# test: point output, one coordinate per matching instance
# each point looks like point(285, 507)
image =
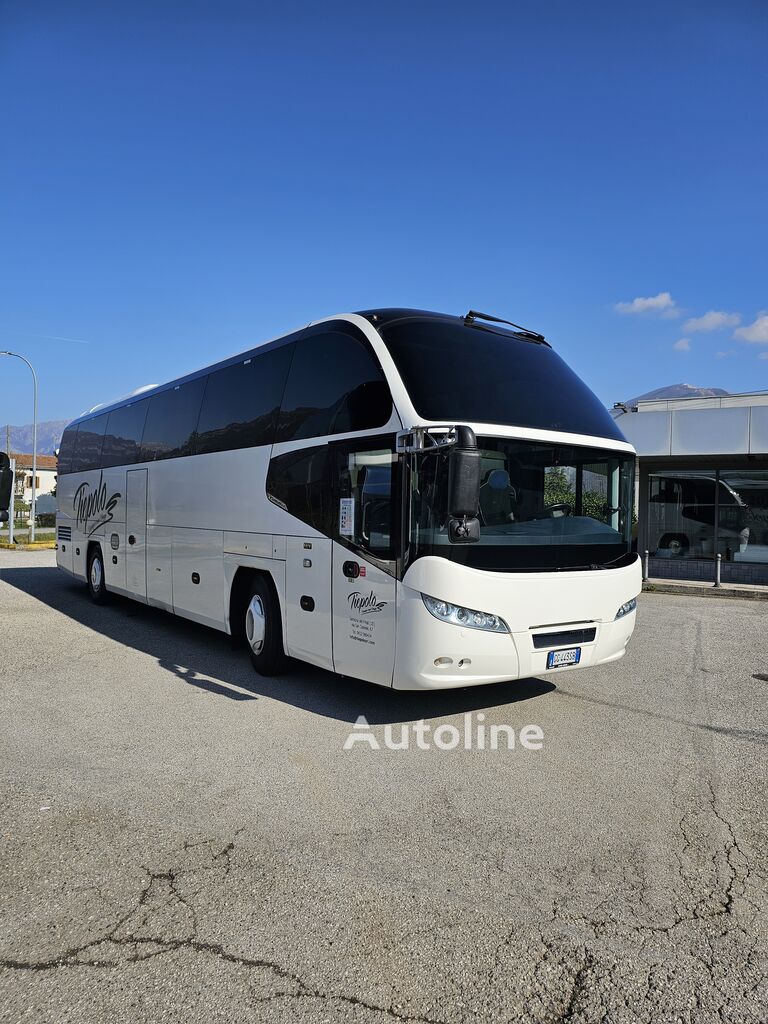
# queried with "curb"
point(43, 545)
point(662, 587)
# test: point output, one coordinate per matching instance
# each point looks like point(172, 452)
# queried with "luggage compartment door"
point(308, 599)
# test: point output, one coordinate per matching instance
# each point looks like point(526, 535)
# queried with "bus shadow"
point(205, 658)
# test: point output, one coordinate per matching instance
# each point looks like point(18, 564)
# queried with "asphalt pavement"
point(183, 840)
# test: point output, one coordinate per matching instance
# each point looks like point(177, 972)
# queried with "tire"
point(676, 543)
point(263, 628)
point(97, 586)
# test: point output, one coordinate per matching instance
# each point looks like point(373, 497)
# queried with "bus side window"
point(66, 451)
point(665, 491)
point(242, 401)
point(169, 431)
point(122, 440)
point(299, 482)
point(90, 438)
point(335, 386)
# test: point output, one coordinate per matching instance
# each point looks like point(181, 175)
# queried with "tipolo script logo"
point(93, 508)
point(365, 604)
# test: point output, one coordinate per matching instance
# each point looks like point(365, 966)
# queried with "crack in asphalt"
point(588, 975)
point(146, 947)
point(136, 936)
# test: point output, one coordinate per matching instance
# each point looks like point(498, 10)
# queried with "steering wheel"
point(557, 510)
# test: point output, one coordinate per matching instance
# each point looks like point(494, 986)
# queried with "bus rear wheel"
point(97, 587)
point(263, 629)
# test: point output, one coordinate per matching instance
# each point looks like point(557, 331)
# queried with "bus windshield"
point(542, 507)
point(459, 373)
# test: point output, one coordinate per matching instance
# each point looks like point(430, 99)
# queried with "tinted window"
point(90, 437)
point(364, 517)
point(122, 440)
point(171, 421)
point(457, 373)
point(299, 482)
point(241, 402)
point(67, 450)
point(335, 385)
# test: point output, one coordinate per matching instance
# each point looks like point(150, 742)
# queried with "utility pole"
point(34, 439)
point(13, 500)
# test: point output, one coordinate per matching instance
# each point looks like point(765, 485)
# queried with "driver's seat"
point(497, 498)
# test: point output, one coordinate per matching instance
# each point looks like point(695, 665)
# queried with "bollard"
point(718, 560)
point(645, 565)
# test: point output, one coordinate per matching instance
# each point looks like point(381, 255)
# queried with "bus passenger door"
point(364, 562)
point(136, 533)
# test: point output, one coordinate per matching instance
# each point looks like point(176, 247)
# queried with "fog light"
point(442, 662)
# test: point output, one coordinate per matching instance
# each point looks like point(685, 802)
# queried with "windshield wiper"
point(593, 565)
point(473, 315)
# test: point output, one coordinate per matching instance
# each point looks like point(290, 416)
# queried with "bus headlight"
point(626, 608)
point(467, 617)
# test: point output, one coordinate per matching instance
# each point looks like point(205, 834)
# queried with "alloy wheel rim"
point(255, 624)
point(96, 574)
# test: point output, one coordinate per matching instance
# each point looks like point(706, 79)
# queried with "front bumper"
point(434, 655)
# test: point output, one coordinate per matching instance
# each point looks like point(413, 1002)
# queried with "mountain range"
point(48, 437)
point(677, 391)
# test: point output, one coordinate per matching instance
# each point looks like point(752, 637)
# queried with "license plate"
point(558, 659)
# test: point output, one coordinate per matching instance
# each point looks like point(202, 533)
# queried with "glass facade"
point(704, 512)
point(743, 521)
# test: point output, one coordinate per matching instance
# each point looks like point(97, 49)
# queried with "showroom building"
point(702, 485)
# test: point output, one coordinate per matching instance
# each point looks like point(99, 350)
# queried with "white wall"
point(46, 479)
point(695, 428)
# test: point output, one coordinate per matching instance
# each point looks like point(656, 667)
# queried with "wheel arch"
point(238, 595)
point(93, 543)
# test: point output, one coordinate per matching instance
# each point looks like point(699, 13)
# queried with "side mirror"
point(464, 489)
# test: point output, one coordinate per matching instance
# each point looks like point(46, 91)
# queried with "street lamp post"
point(34, 439)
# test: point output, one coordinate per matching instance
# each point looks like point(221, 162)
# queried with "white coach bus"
point(410, 498)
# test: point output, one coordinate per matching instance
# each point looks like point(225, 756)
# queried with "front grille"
point(566, 638)
point(64, 533)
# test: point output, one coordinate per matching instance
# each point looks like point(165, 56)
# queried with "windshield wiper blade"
point(473, 315)
point(592, 566)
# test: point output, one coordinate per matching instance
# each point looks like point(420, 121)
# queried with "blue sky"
point(180, 180)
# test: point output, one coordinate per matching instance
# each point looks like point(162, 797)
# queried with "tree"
point(558, 490)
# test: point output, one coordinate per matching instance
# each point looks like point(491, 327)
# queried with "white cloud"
point(714, 320)
point(725, 355)
point(756, 332)
point(683, 345)
point(662, 303)
point(763, 355)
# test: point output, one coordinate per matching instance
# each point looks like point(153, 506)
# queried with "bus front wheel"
point(263, 629)
point(97, 587)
